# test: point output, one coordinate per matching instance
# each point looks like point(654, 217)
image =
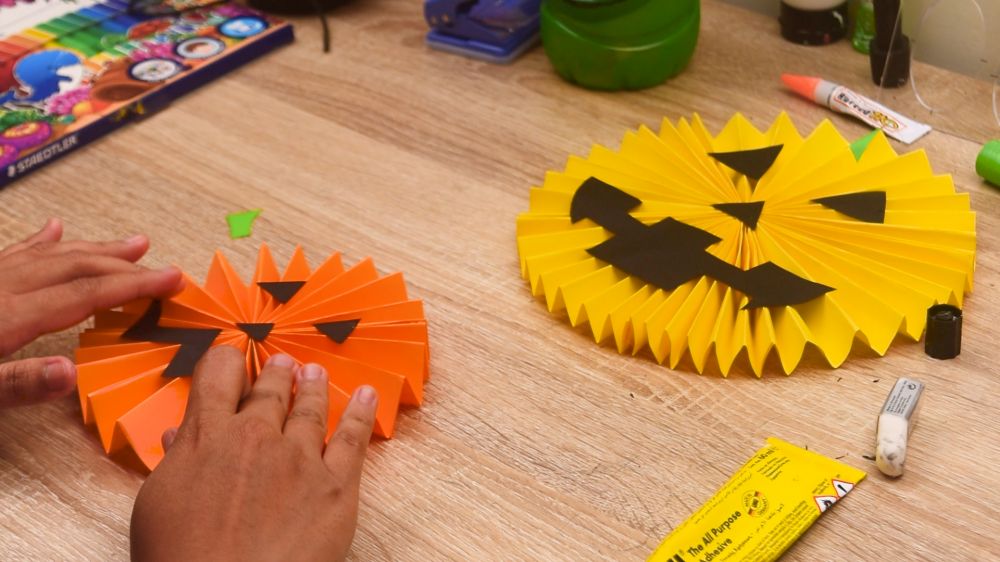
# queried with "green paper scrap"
point(858, 147)
point(241, 224)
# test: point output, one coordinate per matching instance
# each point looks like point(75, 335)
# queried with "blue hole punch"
point(491, 30)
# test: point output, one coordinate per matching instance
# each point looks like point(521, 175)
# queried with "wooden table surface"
point(533, 443)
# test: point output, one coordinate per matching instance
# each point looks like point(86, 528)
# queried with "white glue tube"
point(899, 415)
point(843, 100)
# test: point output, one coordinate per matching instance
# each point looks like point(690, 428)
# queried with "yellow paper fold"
point(884, 275)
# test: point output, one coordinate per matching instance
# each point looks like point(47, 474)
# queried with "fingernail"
point(173, 270)
point(136, 239)
point(312, 372)
point(281, 360)
point(167, 439)
point(366, 395)
point(58, 374)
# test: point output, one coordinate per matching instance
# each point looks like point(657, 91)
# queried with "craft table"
point(533, 443)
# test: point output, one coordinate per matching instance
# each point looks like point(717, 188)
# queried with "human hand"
point(245, 479)
point(48, 285)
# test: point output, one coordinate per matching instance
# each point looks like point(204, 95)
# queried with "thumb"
point(30, 381)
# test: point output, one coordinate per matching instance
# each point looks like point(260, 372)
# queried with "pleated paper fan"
point(747, 242)
point(134, 366)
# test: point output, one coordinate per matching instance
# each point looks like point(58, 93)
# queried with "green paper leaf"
point(241, 224)
point(858, 147)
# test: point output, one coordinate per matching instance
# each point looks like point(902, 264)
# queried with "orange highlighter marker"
point(843, 100)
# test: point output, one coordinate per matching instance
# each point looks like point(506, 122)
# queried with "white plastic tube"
point(895, 423)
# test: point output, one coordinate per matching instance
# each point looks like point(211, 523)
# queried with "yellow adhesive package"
point(762, 509)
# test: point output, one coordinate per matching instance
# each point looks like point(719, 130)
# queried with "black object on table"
point(319, 7)
point(889, 49)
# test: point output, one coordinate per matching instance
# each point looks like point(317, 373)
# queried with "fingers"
point(30, 381)
point(306, 423)
point(67, 304)
point(219, 380)
point(55, 270)
point(51, 232)
point(130, 249)
point(345, 453)
point(46, 243)
point(271, 394)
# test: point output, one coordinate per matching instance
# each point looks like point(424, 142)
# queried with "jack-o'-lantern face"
point(194, 342)
point(135, 365)
point(669, 253)
point(747, 242)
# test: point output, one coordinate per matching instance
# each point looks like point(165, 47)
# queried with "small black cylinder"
point(813, 27)
point(944, 331)
point(886, 16)
point(889, 49)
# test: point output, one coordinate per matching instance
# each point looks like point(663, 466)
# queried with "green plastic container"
point(988, 162)
point(619, 44)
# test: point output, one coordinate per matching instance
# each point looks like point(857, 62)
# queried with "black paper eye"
point(282, 291)
point(866, 206)
point(337, 331)
point(752, 163)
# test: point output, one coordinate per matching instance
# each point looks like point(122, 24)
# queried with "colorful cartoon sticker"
point(242, 27)
point(42, 74)
point(155, 70)
point(26, 135)
point(199, 48)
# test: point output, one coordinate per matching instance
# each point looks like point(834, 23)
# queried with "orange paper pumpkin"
point(134, 366)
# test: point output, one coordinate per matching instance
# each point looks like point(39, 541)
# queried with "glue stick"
point(895, 422)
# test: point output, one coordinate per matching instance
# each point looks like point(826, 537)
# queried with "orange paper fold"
point(124, 393)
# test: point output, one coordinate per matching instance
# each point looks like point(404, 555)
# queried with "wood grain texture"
point(533, 442)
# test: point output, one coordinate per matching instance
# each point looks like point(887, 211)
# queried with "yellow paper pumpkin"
point(747, 242)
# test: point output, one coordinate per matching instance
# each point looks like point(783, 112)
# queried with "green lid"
point(988, 162)
point(619, 44)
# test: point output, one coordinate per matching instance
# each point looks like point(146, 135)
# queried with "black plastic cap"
point(944, 331)
point(898, 70)
point(813, 27)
